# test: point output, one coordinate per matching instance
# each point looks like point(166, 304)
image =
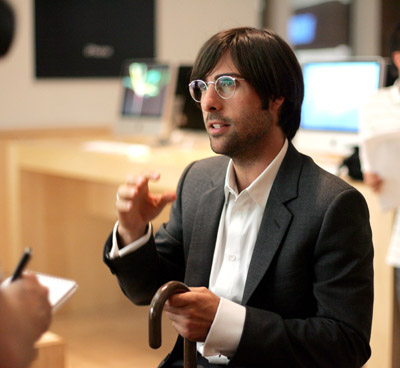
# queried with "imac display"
point(334, 93)
point(147, 96)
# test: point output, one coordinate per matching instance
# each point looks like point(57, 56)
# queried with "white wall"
point(25, 102)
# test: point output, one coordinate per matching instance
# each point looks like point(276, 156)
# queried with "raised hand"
point(137, 206)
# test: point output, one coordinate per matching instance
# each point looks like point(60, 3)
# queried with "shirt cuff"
point(226, 330)
point(116, 252)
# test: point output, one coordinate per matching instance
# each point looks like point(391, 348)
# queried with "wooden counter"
point(60, 201)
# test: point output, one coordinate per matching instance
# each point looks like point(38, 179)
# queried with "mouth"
point(217, 128)
point(217, 124)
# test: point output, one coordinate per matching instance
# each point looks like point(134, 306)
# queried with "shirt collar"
point(259, 189)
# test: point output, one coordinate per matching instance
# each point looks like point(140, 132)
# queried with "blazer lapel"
point(275, 222)
point(273, 226)
point(204, 236)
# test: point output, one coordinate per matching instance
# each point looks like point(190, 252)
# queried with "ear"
point(275, 105)
point(396, 59)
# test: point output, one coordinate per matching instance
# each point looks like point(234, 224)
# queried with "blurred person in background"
point(380, 113)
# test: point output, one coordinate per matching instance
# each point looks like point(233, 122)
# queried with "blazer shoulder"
point(211, 169)
point(313, 170)
point(210, 164)
point(315, 183)
point(300, 177)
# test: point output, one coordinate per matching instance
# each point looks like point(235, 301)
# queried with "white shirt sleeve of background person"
point(225, 332)
point(116, 252)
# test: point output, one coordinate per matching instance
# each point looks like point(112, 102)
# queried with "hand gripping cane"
point(156, 307)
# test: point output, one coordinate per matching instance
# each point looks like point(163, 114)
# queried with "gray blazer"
point(309, 289)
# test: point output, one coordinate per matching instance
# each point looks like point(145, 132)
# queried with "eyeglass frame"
point(234, 79)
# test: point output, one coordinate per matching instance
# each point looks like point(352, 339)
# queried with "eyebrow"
point(234, 75)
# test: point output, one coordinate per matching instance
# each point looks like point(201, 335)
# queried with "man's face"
point(238, 127)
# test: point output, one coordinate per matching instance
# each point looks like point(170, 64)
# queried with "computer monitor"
point(334, 93)
point(147, 99)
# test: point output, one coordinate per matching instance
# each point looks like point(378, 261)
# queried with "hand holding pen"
point(26, 256)
point(26, 311)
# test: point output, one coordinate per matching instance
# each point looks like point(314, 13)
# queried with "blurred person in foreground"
point(25, 311)
point(25, 314)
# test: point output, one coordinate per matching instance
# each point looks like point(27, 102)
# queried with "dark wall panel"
point(91, 38)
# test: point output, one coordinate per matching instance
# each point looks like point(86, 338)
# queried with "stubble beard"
point(244, 145)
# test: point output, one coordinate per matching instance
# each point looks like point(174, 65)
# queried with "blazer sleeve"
point(161, 259)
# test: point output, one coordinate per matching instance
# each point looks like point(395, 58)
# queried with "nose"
point(210, 101)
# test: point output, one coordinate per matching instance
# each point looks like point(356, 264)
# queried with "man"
point(25, 311)
point(381, 116)
point(277, 252)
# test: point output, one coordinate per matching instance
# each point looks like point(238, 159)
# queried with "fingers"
point(137, 189)
point(132, 187)
point(197, 298)
point(133, 180)
point(32, 284)
point(30, 276)
point(374, 181)
point(141, 180)
point(176, 302)
point(124, 197)
point(164, 199)
point(33, 278)
point(192, 313)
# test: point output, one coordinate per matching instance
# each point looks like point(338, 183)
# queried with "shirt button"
point(232, 257)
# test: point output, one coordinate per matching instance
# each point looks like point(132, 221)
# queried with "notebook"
point(60, 289)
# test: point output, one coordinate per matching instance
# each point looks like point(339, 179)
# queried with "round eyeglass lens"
point(196, 88)
point(225, 86)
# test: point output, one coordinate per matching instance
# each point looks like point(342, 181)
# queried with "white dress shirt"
point(237, 233)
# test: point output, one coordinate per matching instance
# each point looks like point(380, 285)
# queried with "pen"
point(26, 256)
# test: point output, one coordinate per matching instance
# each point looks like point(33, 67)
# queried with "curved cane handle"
point(156, 308)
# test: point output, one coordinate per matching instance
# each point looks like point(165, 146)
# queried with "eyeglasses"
point(225, 86)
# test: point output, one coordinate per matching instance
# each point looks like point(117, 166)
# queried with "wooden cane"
point(156, 308)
